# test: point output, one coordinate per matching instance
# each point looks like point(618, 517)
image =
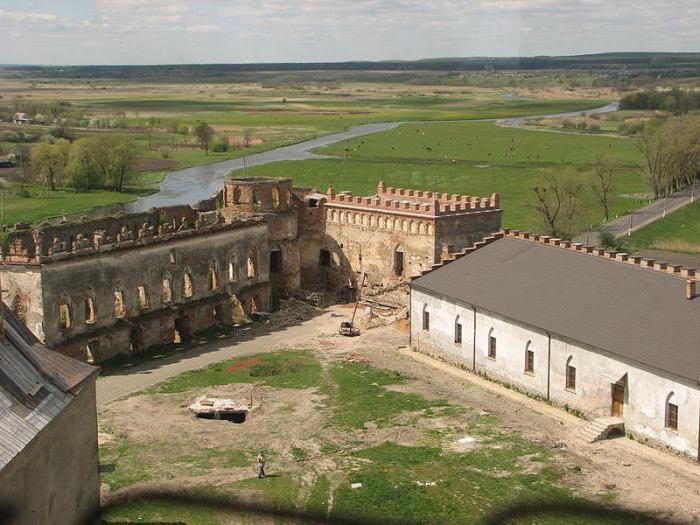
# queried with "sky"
point(239, 31)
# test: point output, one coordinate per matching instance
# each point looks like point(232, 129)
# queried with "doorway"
point(182, 329)
point(398, 262)
point(618, 399)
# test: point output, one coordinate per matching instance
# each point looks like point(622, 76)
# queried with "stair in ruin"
point(600, 428)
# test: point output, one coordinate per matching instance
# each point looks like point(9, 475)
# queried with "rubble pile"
point(351, 357)
point(291, 311)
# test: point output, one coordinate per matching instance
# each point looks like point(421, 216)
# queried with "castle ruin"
point(96, 288)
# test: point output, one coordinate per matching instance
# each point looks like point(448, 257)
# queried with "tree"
point(557, 199)
point(49, 162)
point(671, 154)
point(112, 157)
point(83, 170)
point(204, 134)
point(602, 182)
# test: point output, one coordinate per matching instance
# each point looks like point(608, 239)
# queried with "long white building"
point(605, 333)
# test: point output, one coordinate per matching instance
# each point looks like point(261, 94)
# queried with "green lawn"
point(475, 158)
point(424, 481)
point(678, 232)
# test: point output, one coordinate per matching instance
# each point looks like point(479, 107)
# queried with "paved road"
point(635, 220)
point(200, 182)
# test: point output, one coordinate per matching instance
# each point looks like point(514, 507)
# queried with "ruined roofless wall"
point(50, 243)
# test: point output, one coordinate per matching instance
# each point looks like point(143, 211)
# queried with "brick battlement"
point(635, 260)
point(55, 243)
point(414, 202)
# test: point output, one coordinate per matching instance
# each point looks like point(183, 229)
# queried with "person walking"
point(261, 465)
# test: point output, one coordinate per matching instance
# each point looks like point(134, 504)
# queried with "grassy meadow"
point(473, 158)
point(677, 232)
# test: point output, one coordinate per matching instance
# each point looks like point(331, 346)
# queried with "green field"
point(677, 232)
point(475, 158)
point(421, 479)
point(262, 115)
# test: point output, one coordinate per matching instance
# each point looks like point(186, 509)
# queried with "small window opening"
point(187, 285)
point(492, 347)
point(672, 416)
point(232, 270)
point(90, 316)
point(398, 262)
point(213, 278)
point(324, 258)
point(141, 297)
point(119, 308)
point(458, 333)
point(275, 261)
point(313, 203)
point(64, 317)
point(167, 293)
point(570, 377)
point(426, 320)
point(529, 361)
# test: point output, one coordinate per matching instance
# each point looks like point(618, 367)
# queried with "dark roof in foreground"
point(36, 384)
point(636, 313)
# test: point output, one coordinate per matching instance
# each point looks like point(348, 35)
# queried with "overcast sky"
point(205, 31)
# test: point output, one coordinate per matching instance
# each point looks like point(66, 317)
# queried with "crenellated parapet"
point(49, 243)
point(413, 202)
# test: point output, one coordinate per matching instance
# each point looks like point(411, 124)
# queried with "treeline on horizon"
point(673, 63)
point(676, 100)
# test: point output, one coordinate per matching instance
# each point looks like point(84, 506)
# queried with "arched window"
point(492, 344)
point(90, 314)
point(65, 317)
point(119, 307)
point(275, 197)
point(529, 358)
point(236, 195)
point(252, 265)
point(426, 318)
point(187, 284)
point(213, 276)
point(256, 200)
point(232, 269)
point(167, 288)
point(458, 331)
point(141, 297)
point(19, 307)
point(570, 374)
point(671, 419)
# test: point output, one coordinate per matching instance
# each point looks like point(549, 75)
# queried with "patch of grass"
point(357, 396)
point(128, 457)
point(299, 454)
point(293, 369)
point(404, 484)
point(209, 458)
point(147, 511)
point(678, 231)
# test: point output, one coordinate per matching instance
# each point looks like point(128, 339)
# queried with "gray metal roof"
point(36, 384)
point(636, 313)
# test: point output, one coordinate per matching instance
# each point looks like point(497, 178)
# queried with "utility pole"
point(629, 229)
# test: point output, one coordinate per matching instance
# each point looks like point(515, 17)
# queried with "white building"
point(607, 334)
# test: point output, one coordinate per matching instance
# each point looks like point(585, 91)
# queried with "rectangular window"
point(672, 416)
point(458, 333)
point(426, 320)
point(492, 347)
point(570, 377)
point(529, 361)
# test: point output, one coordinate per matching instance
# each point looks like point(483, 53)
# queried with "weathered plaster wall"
point(24, 284)
point(55, 478)
point(647, 391)
point(99, 276)
point(461, 231)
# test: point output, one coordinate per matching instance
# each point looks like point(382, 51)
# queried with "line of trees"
point(676, 100)
point(98, 162)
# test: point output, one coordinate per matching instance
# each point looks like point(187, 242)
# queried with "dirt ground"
point(642, 478)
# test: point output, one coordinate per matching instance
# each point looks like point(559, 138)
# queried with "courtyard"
point(360, 429)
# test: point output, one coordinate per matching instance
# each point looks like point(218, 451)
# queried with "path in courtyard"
point(255, 340)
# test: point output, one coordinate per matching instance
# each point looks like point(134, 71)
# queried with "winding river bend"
point(200, 182)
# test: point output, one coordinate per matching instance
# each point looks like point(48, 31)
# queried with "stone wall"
point(55, 478)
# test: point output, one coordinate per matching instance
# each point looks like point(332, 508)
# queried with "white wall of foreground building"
point(647, 390)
